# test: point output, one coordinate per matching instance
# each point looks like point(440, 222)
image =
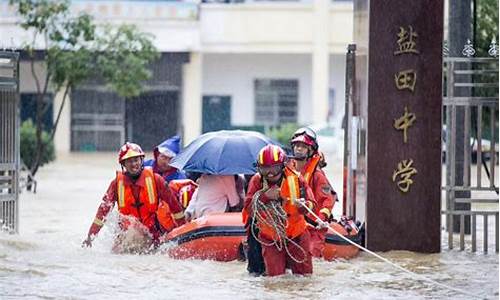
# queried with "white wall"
point(191, 103)
point(337, 82)
point(272, 27)
point(233, 75)
point(174, 24)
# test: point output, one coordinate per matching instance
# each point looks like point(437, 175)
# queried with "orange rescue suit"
point(183, 189)
point(146, 207)
point(323, 193)
point(290, 190)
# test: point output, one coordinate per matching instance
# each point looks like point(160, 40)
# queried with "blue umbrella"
point(224, 152)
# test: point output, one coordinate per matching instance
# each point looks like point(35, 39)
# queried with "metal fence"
point(9, 141)
point(470, 149)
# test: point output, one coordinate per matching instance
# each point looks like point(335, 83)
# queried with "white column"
point(62, 138)
point(192, 98)
point(320, 63)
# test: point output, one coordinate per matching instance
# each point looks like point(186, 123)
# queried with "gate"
point(471, 148)
point(9, 141)
point(470, 107)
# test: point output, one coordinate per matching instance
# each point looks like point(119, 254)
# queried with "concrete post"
point(192, 98)
point(62, 138)
point(320, 60)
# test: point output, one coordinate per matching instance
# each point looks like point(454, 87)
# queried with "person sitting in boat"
point(308, 161)
point(183, 189)
point(163, 154)
point(275, 205)
point(146, 205)
point(215, 194)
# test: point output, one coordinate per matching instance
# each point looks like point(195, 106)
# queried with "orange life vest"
point(144, 208)
point(310, 167)
point(183, 189)
point(308, 173)
point(290, 192)
point(165, 217)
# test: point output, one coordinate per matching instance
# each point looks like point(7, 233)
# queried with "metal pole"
point(17, 154)
point(347, 201)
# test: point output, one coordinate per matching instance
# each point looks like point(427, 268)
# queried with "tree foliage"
point(124, 57)
point(28, 145)
point(77, 50)
point(283, 133)
point(487, 25)
point(486, 31)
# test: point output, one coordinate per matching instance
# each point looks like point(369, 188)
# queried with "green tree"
point(283, 133)
point(28, 144)
point(486, 27)
point(75, 51)
point(486, 30)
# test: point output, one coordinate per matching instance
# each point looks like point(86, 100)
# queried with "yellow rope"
point(273, 215)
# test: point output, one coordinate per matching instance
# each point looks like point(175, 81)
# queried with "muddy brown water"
point(45, 261)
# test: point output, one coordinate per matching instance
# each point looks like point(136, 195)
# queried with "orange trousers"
point(276, 261)
point(317, 241)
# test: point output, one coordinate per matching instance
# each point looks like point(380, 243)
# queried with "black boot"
point(255, 265)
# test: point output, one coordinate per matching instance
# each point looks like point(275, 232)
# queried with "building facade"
point(223, 65)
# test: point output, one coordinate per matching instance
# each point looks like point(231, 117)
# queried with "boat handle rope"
point(420, 276)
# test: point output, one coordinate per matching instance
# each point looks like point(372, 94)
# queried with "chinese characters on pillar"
point(406, 41)
point(404, 173)
point(404, 122)
point(405, 80)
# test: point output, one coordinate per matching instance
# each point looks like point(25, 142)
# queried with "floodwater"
point(45, 261)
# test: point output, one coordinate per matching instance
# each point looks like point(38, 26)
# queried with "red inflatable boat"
point(220, 236)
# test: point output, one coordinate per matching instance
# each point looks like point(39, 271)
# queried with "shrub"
point(283, 133)
point(28, 145)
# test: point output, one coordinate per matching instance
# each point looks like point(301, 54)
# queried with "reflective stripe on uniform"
point(185, 199)
point(178, 215)
point(306, 177)
point(121, 193)
point(98, 222)
point(150, 189)
point(292, 187)
point(326, 211)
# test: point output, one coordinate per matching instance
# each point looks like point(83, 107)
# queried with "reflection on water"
point(46, 261)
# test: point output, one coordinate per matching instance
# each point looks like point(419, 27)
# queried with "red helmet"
point(305, 135)
point(129, 150)
point(303, 139)
point(271, 155)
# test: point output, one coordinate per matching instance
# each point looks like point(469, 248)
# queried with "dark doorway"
point(28, 109)
point(151, 118)
point(216, 113)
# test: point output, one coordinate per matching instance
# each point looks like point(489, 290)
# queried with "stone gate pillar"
point(399, 100)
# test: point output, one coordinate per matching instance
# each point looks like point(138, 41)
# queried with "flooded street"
point(46, 261)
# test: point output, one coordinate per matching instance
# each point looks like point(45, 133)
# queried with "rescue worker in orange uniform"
point(183, 189)
point(307, 161)
point(146, 205)
point(278, 188)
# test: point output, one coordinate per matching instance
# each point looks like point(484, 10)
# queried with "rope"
point(273, 215)
point(422, 277)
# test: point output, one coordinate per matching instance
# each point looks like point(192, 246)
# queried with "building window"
point(276, 101)
point(97, 120)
